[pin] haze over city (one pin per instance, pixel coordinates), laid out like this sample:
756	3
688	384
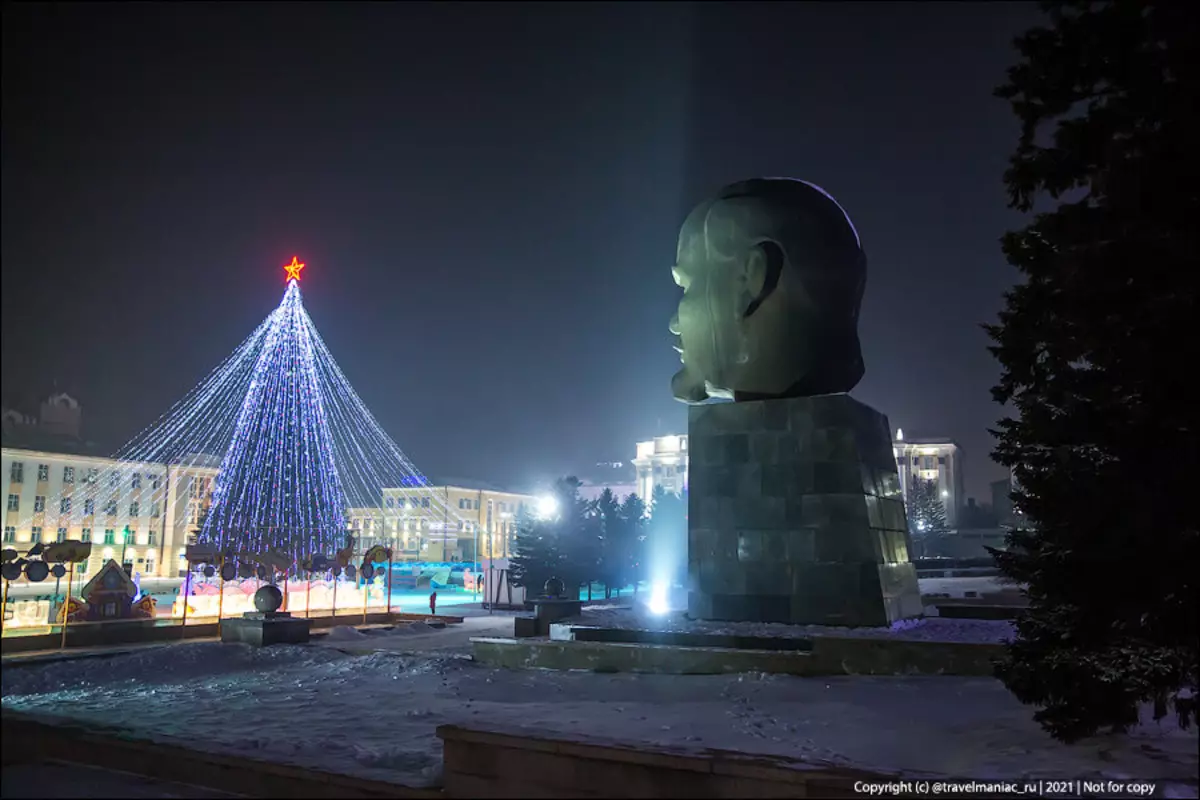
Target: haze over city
466	400
487	199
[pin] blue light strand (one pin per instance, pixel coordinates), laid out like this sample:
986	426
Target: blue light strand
160	443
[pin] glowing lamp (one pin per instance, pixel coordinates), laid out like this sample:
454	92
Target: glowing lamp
658	603
547	507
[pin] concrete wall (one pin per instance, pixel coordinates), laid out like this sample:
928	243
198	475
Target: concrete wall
491	762
28	741
829	656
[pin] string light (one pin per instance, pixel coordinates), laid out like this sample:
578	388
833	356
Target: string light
296	446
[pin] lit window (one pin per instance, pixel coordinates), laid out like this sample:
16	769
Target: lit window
110	536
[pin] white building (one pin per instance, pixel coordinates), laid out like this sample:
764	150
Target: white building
137	513
662	461
937	460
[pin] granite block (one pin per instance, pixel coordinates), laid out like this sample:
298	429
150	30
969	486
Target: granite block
801	546
764	447
874	515
749	480
260	631
787	449
750	546
775	417
889	483
794	514
893	514
737	448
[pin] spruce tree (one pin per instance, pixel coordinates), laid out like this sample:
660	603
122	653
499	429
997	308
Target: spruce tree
535	554
608	513
565	545
1097	345
631	541
926	514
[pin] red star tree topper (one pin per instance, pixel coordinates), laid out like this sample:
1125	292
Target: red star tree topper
293	269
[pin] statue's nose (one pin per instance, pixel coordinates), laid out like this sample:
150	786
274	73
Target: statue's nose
674	326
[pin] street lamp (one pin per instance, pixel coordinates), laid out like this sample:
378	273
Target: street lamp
547	507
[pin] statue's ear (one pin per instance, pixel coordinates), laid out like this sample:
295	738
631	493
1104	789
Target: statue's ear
761	267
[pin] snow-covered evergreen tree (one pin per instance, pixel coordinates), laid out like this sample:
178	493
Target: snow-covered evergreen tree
1094	346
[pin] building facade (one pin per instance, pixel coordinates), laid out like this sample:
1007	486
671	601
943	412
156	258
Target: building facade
442	523
937	460
662	461
139	514
618	477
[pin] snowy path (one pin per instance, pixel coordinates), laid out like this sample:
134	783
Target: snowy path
375	715
418	638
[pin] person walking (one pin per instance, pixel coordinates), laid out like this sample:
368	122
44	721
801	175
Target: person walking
433	603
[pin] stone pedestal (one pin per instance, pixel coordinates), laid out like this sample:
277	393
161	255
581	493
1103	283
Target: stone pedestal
795	515
261	629
546	611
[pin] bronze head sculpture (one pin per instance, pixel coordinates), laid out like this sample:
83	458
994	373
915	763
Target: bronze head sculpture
773	273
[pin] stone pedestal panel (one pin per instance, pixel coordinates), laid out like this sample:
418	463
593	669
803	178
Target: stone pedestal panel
795	514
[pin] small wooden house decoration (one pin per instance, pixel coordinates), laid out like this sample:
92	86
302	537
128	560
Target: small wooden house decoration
109	594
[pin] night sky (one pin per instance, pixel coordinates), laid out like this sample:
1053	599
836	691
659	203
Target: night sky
487	198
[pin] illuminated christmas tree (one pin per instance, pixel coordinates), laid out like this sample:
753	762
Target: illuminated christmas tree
293	448
278	486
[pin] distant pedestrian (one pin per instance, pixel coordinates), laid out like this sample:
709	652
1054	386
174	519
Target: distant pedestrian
433	603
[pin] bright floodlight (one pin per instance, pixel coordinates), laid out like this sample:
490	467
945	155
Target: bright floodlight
547	506
658	598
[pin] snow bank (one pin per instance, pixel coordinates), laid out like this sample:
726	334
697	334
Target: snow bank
375	715
345	633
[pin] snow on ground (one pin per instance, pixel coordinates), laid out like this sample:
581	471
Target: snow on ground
957	588
929	629
374	715
417	637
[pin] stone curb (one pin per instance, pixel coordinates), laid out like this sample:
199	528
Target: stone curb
31	739
494	762
829	656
